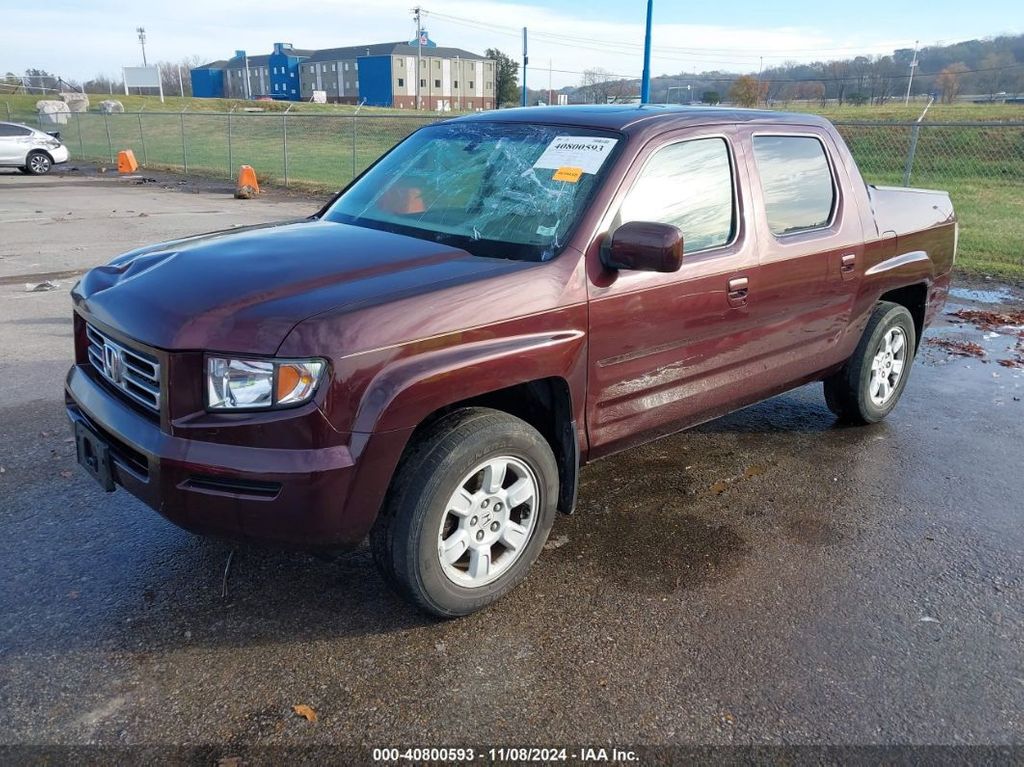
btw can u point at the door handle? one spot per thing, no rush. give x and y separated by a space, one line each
738 290
848 265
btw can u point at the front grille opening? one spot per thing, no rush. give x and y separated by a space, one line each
255 489
132 372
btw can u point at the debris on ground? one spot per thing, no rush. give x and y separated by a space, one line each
144 180
305 712
41 287
959 348
754 470
557 543
991 321
1017 360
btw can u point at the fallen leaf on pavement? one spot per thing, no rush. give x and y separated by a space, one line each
305 711
959 348
557 543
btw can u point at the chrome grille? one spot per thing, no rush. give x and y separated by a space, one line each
134 373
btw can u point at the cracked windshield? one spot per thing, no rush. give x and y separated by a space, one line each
506 191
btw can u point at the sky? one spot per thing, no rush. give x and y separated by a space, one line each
82 39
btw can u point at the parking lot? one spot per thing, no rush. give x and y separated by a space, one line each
769 578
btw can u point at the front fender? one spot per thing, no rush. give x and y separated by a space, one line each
402 394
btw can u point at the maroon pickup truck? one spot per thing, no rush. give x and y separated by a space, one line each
501 298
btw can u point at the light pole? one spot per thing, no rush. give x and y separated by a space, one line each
419 53
913 66
645 84
142 42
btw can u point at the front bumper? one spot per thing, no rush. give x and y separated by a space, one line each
60 154
293 496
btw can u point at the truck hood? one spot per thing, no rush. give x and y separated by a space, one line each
243 290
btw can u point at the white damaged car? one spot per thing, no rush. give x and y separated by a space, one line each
29 150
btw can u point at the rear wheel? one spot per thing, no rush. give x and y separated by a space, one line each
38 163
468 511
870 384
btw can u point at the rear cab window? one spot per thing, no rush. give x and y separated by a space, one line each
797 183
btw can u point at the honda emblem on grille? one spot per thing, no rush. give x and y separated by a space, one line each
113 363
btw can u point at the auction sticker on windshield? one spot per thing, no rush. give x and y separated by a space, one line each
584 152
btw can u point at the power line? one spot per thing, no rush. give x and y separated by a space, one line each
624 44
501 29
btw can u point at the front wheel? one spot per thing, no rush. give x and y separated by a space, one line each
38 163
468 512
870 384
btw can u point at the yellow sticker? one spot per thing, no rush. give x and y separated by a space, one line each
572 175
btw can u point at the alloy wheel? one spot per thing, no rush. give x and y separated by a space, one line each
488 521
887 366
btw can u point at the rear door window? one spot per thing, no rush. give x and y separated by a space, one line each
799 192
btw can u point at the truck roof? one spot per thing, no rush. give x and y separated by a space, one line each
631 117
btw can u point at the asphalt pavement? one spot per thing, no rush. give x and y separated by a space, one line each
768 578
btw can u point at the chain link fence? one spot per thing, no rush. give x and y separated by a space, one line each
981 164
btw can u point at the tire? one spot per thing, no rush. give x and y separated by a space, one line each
38 163
859 393
426 515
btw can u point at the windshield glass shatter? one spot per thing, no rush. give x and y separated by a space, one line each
493 189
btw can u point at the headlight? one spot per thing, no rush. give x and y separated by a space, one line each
240 384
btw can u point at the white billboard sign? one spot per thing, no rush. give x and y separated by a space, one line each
141 77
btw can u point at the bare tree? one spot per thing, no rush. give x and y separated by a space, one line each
950 82
596 82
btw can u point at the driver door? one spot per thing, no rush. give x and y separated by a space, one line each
671 350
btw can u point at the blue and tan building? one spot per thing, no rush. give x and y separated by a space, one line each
379 74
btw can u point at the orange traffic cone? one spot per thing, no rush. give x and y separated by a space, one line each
126 161
247 186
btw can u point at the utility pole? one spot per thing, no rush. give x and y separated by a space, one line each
248 85
550 96
142 42
181 83
913 66
760 67
645 83
419 53
526 60
458 84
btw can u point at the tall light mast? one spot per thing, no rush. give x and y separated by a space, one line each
913 66
419 53
142 42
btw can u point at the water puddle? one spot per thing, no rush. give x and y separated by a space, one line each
1000 295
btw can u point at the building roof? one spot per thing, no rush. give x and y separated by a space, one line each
390 49
628 117
401 48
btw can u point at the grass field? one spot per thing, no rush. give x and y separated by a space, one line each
321 146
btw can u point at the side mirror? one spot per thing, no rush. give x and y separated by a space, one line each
645 246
